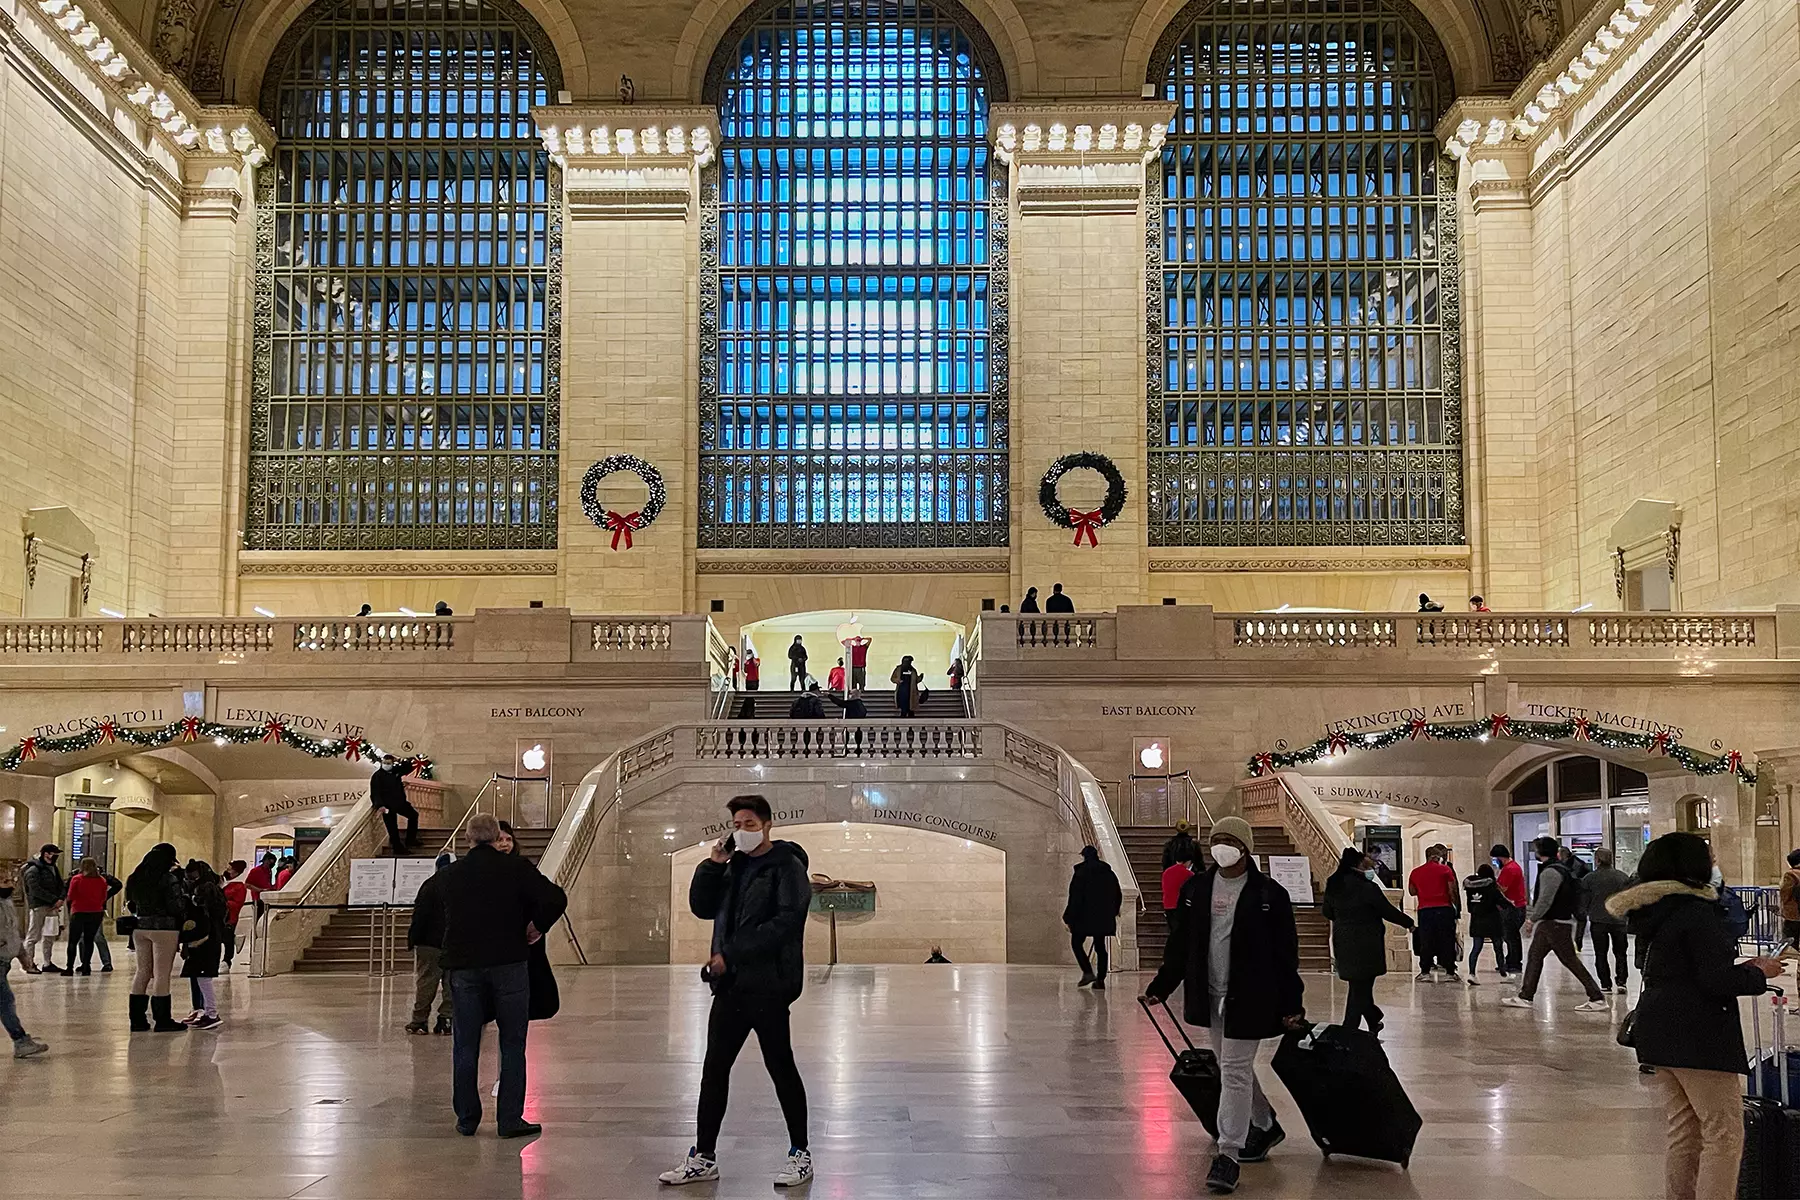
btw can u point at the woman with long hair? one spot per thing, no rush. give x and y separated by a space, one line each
154 896
203 942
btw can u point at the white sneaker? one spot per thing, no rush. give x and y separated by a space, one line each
1474 982
797 1171
1515 1002
695 1168
1594 1006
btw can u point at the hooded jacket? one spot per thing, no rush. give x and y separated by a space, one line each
1094 899
1357 909
1486 904
1265 958
1688 1013
760 928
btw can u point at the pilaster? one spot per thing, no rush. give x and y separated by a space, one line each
631 340
1078 178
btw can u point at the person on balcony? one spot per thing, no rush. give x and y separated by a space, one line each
387 793
1092 913
957 672
807 706
856 649
908 695
1428 605
1030 603
1359 912
1477 604
1058 602
834 679
797 665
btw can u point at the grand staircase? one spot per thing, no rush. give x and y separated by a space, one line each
1143 846
351 938
940 705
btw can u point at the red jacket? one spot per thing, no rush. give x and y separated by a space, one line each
259 880
236 892
87 893
1173 880
1512 884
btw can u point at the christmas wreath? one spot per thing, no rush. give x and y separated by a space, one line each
621 524
1083 523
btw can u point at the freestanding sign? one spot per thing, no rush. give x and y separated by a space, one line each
409 873
1293 872
371 881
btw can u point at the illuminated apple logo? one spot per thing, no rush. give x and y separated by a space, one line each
1151 756
534 758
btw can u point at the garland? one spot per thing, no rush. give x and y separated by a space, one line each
1499 725
616 522
1083 523
193 729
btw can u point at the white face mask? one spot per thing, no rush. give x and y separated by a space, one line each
748 839
1226 855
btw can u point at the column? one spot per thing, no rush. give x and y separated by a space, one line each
1078 246
630 338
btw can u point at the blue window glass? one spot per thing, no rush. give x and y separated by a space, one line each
406 283
854 399
1309 390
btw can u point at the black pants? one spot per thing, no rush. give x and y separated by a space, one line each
391 817
479 995
83 928
903 698
1513 924
796 677
731 1024
1078 943
1581 924
1361 1006
1610 937
1437 938
230 945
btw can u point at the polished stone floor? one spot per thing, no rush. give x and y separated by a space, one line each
969 1082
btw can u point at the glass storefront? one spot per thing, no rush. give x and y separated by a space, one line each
1585 803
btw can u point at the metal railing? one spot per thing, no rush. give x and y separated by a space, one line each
1180 800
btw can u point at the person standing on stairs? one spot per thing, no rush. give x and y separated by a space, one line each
1175 877
1092 912
387 792
907 692
797 665
856 651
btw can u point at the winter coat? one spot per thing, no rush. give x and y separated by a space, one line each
906 678
1179 848
387 786
12 941
1265 982
203 931
1059 602
1357 909
1487 907
762 934
157 903
427 927
1094 899
1597 887
488 899
1687 1015
807 707
44 884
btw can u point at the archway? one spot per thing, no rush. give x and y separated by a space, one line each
932 641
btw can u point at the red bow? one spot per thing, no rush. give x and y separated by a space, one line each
622 523
273 730
1733 760
1660 742
353 748
109 732
1417 729
1264 763
1498 725
27 749
422 766
190 729
1337 743
1086 523
1584 730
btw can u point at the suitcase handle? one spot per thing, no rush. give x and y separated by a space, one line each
1157 1025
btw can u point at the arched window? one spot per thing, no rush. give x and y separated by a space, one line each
407 325
1308 390
853 265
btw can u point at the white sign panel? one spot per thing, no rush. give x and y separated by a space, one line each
409 873
371 881
1293 872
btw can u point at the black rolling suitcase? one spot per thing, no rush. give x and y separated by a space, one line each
1196 1071
1770 1168
1352 1100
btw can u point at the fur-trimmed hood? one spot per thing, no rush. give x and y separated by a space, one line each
1643 895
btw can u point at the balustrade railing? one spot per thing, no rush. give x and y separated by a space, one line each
1667 630
1310 632
633 636
1061 633
1488 630
752 740
375 634
298 912
199 637
53 637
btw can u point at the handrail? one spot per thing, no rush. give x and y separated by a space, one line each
474 807
1301 814
323 881
1194 797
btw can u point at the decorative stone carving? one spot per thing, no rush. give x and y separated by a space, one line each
1070 156
629 161
1509 63
1543 28
176 23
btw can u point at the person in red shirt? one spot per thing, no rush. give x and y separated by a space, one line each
752 672
834 679
261 879
1174 878
236 893
89 890
857 648
1511 879
1434 883
288 866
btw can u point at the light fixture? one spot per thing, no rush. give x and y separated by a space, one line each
107 612
1583 608
265 612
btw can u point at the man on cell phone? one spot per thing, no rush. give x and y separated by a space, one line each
755 891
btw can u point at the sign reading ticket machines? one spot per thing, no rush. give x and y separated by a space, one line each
1291 871
376 881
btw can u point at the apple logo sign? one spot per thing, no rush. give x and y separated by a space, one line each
1151 756
534 758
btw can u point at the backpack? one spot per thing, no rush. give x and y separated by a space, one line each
1737 917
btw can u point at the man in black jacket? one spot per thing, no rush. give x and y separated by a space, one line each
1239 957
45 889
494 906
756 893
387 792
1058 602
797 665
1092 912
425 938
1550 926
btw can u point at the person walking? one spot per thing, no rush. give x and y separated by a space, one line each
1175 877
45 888
1687 1025
1600 885
907 692
387 794
856 649
756 891
1359 912
797 665
12 945
425 938
1030 603
1550 924
1578 870
1433 883
494 906
1509 877
236 893
1239 957
203 943
1092 912
153 892
1181 846
89 890
1487 919
1058 602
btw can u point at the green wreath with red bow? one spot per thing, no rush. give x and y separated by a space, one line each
617 523
1083 523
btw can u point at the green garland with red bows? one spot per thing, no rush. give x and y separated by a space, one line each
1499 725
192 729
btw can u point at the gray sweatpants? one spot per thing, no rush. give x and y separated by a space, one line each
1241 1099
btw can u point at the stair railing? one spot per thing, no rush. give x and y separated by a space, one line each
293 916
1270 799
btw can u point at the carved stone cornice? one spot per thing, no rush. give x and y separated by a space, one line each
631 161
1079 156
399 569
784 564
1300 561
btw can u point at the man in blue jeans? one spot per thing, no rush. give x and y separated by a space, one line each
494 907
11 946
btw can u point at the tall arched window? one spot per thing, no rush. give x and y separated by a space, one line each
1309 382
853 259
407 329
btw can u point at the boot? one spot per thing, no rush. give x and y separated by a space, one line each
165 1021
140 1005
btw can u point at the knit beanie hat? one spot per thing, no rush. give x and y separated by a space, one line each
1237 829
